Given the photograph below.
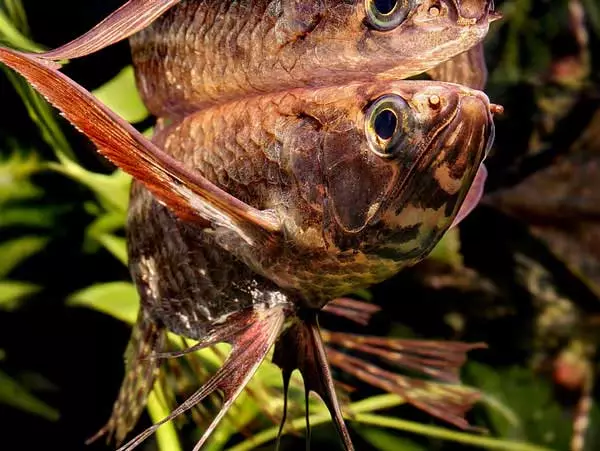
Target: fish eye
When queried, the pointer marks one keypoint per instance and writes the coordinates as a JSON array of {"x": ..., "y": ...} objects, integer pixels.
[
  {"x": 384, "y": 15},
  {"x": 385, "y": 119}
]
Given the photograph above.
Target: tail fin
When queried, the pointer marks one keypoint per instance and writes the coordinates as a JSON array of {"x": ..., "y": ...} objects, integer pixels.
[
  {"x": 441, "y": 360},
  {"x": 140, "y": 374},
  {"x": 251, "y": 334},
  {"x": 300, "y": 347}
]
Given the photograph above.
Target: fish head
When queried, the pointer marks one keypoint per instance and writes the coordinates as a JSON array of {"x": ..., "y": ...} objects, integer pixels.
[
  {"x": 398, "y": 159},
  {"x": 400, "y": 38}
]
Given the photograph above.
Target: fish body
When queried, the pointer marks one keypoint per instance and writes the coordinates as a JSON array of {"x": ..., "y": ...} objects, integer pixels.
[
  {"x": 350, "y": 217},
  {"x": 203, "y": 52}
]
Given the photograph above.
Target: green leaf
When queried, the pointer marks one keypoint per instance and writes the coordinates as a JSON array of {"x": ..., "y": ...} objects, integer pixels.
[
  {"x": 112, "y": 190},
  {"x": 521, "y": 405},
  {"x": 101, "y": 231},
  {"x": 115, "y": 245},
  {"x": 12, "y": 293},
  {"x": 15, "y": 395},
  {"x": 28, "y": 216},
  {"x": 166, "y": 435},
  {"x": 10, "y": 34},
  {"x": 16, "y": 251},
  {"x": 117, "y": 299},
  {"x": 121, "y": 95},
  {"x": 383, "y": 440},
  {"x": 448, "y": 249},
  {"x": 15, "y": 173}
]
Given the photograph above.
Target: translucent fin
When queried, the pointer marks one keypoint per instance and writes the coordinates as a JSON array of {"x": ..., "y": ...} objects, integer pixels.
[
  {"x": 473, "y": 196},
  {"x": 251, "y": 334},
  {"x": 441, "y": 360},
  {"x": 300, "y": 347},
  {"x": 358, "y": 311},
  {"x": 438, "y": 359},
  {"x": 130, "y": 18},
  {"x": 140, "y": 375}
]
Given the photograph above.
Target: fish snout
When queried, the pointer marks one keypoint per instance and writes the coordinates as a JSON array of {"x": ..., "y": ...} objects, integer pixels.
[{"x": 472, "y": 131}]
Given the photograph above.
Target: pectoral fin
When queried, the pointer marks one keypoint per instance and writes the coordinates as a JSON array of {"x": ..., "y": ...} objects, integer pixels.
[
  {"x": 130, "y": 18},
  {"x": 189, "y": 195},
  {"x": 473, "y": 196}
]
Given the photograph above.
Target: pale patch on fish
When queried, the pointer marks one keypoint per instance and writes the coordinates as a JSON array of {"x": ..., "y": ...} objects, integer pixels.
[{"x": 444, "y": 178}]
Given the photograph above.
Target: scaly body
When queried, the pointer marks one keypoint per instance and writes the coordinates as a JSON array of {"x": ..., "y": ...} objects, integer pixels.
[{"x": 203, "y": 52}]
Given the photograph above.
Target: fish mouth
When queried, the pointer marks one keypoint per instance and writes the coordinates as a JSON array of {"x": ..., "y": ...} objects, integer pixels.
[
  {"x": 449, "y": 163},
  {"x": 466, "y": 144}
]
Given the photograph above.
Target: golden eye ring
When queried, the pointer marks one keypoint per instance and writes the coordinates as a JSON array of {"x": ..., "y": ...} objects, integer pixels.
[
  {"x": 385, "y": 121},
  {"x": 385, "y": 15}
]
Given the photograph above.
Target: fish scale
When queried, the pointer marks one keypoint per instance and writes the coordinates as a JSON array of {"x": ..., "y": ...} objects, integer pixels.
[
  {"x": 202, "y": 52},
  {"x": 222, "y": 248}
]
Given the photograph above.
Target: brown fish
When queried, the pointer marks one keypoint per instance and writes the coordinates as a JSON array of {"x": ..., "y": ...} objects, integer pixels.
[
  {"x": 336, "y": 188},
  {"x": 201, "y": 52}
]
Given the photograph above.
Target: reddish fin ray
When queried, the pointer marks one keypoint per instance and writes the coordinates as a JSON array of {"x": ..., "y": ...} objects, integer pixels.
[
  {"x": 441, "y": 360},
  {"x": 447, "y": 402},
  {"x": 185, "y": 192},
  {"x": 258, "y": 331},
  {"x": 358, "y": 311}
]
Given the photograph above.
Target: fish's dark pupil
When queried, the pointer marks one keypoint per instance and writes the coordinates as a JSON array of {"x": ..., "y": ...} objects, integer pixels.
[
  {"x": 385, "y": 124},
  {"x": 385, "y": 6}
]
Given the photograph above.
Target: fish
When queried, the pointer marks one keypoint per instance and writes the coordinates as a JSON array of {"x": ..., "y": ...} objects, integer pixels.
[
  {"x": 189, "y": 54},
  {"x": 241, "y": 209},
  {"x": 188, "y": 40}
]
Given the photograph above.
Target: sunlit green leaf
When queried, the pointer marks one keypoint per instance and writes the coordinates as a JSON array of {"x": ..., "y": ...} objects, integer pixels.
[
  {"x": 117, "y": 299},
  {"x": 12, "y": 293},
  {"x": 115, "y": 245},
  {"x": 16, "y": 251},
  {"x": 387, "y": 441},
  {"x": 11, "y": 35},
  {"x": 121, "y": 95},
  {"x": 28, "y": 216},
  {"x": 15, "y": 173},
  {"x": 112, "y": 190}
]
